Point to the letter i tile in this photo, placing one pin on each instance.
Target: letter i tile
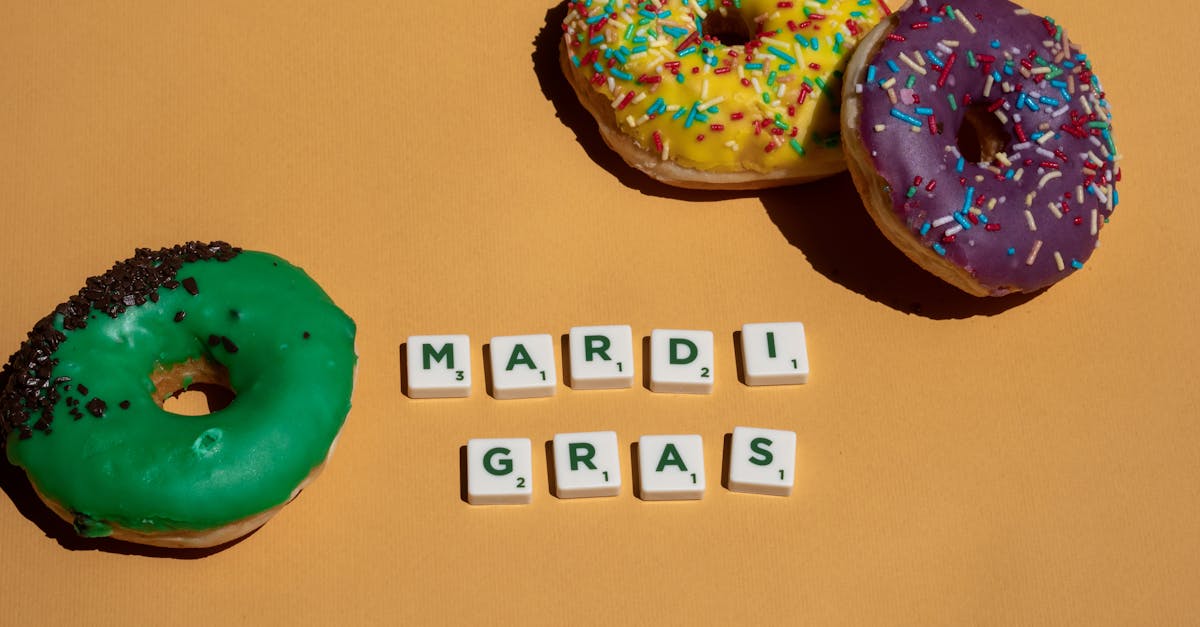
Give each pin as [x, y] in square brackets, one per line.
[775, 353]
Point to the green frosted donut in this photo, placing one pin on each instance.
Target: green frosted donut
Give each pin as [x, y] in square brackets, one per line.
[81, 407]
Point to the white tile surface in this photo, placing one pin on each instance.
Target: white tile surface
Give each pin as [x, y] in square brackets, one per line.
[671, 467]
[587, 464]
[681, 361]
[774, 353]
[523, 366]
[499, 471]
[762, 461]
[439, 366]
[601, 357]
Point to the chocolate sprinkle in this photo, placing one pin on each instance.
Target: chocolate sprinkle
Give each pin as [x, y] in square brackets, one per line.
[123, 404]
[213, 340]
[96, 407]
[28, 393]
[189, 284]
[307, 335]
[180, 315]
[228, 344]
[83, 391]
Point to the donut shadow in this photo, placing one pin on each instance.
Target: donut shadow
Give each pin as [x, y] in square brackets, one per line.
[825, 219]
[827, 222]
[16, 486]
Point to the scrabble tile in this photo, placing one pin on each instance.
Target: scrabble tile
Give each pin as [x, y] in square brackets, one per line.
[681, 361]
[523, 366]
[774, 353]
[762, 461]
[601, 357]
[499, 471]
[671, 467]
[586, 464]
[439, 366]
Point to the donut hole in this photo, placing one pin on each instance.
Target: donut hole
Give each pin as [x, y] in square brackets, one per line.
[729, 29]
[982, 135]
[199, 399]
[196, 387]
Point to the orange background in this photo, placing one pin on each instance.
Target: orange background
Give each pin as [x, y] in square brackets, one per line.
[961, 461]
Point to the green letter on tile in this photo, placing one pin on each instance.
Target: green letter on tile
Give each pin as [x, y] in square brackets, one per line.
[596, 345]
[676, 343]
[670, 457]
[504, 466]
[761, 446]
[582, 453]
[520, 356]
[429, 355]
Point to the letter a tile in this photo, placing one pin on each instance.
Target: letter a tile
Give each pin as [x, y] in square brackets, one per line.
[523, 366]
[671, 467]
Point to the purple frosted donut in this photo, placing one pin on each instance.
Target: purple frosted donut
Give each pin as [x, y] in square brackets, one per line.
[981, 142]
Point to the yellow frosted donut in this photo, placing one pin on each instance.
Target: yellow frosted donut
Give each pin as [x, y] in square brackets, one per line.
[680, 98]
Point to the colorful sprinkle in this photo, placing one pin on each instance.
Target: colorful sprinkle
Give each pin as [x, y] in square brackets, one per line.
[1058, 171]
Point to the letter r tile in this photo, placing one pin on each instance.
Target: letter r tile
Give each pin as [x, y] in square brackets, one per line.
[586, 465]
[601, 357]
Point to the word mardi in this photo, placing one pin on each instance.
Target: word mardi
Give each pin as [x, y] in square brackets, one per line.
[681, 361]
